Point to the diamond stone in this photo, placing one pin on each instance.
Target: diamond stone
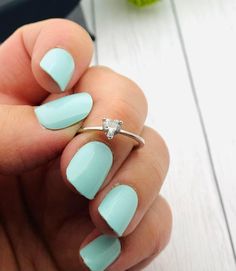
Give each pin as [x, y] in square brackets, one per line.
[111, 127]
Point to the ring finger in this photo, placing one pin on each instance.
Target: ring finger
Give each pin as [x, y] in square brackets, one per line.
[90, 160]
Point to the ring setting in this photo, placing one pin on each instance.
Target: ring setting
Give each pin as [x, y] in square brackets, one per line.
[111, 128]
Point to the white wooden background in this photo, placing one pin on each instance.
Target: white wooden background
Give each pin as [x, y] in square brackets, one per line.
[183, 54]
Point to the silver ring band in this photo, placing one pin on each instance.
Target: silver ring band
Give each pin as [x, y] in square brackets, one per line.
[111, 128]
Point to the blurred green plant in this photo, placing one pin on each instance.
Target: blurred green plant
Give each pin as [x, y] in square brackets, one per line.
[142, 3]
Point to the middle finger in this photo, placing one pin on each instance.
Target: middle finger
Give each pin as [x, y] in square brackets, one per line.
[121, 205]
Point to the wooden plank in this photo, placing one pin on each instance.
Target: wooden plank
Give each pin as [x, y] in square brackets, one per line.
[210, 47]
[144, 45]
[75, 15]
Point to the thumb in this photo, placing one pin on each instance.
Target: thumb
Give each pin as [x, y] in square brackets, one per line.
[25, 143]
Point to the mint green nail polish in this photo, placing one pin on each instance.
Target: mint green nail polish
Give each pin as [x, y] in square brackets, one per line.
[60, 65]
[118, 207]
[89, 167]
[101, 252]
[64, 112]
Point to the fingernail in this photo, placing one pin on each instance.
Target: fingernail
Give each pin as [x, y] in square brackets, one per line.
[119, 207]
[101, 252]
[89, 167]
[60, 65]
[65, 111]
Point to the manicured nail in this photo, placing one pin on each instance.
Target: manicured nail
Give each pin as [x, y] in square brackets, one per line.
[118, 207]
[101, 252]
[65, 111]
[60, 65]
[89, 167]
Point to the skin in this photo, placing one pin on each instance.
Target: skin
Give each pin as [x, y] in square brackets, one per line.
[43, 221]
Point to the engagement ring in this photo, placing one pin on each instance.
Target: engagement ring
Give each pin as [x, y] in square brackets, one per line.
[112, 128]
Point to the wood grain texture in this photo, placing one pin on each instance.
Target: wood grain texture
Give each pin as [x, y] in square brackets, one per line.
[144, 44]
[88, 9]
[209, 33]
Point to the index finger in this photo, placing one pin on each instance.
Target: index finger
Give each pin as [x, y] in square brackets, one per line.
[47, 56]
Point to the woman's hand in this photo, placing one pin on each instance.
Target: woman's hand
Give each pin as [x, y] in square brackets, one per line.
[48, 174]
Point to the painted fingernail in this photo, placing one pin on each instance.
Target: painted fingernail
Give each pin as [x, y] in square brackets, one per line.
[101, 252]
[119, 207]
[60, 65]
[65, 111]
[89, 167]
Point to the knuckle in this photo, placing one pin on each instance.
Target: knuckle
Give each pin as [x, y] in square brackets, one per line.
[158, 145]
[158, 174]
[123, 98]
[100, 77]
[131, 100]
[135, 91]
[160, 230]
[154, 237]
[124, 87]
[129, 113]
